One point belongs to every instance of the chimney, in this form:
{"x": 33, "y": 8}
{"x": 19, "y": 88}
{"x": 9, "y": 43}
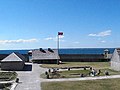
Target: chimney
{"x": 50, "y": 50}
{"x": 42, "y": 50}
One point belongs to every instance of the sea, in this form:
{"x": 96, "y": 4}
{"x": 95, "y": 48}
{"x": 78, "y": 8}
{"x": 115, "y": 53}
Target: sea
{"x": 66, "y": 51}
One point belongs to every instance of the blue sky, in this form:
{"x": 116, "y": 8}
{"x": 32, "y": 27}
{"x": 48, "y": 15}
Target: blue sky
{"x": 30, "y": 24}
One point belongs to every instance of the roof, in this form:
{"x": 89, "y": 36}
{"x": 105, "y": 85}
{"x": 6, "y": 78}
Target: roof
{"x": 14, "y": 57}
{"x": 45, "y": 54}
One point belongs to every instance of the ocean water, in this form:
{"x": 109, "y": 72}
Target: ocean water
{"x": 85, "y": 51}
{"x": 11, "y": 51}
{"x": 67, "y": 51}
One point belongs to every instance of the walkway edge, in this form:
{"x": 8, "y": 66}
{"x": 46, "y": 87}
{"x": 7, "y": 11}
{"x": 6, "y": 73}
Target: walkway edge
{"x": 81, "y": 79}
{"x": 13, "y": 86}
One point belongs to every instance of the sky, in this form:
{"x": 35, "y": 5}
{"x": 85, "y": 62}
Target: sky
{"x": 31, "y": 24}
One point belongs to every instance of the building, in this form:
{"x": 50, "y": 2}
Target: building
{"x": 83, "y": 58}
{"x": 14, "y": 61}
{"x": 5, "y": 53}
{"x": 71, "y": 55}
{"x": 85, "y": 55}
{"x": 115, "y": 60}
{"x": 45, "y": 56}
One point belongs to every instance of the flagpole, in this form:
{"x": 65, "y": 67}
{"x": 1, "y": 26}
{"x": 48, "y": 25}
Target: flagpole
{"x": 58, "y": 49}
{"x": 59, "y": 34}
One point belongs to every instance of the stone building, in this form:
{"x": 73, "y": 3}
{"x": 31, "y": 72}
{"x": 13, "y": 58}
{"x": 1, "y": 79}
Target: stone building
{"x": 14, "y": 61}
{"x": 71, "y": 55}
{"x": 115, "y": 60}
{"x": 85, "y": 55}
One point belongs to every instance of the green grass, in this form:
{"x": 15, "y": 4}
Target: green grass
{"x": 108, "y": 84}
{"x": 5, "y": 86}
{"x": 68, "y": 74}
{"x": 103, "y": 66}
{"x": 7, "y": 76}
{"x": 74, "y": 73}
{"x": 99, "y": 65}
{"x": 112, "y": 72}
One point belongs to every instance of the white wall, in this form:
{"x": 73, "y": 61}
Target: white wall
{"x": 115, "y": 61}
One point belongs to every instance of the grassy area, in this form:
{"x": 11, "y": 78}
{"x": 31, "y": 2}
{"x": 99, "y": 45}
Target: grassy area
{"x": 77, "y": 73}
{"x": 103, "y": 66}
{"x": 109, "y": 84}
{"x": 7, "y": 76}
{"x": 74, "y": 73}
{"x": 5, "y": 86}
{"x": 99, "y": 65}
{"x": 69, "y": 74}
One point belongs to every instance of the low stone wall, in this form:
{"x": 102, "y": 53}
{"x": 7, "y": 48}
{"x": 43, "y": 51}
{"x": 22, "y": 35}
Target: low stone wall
{"x": 83, "y": 58}
{"x": 76, "y": 58}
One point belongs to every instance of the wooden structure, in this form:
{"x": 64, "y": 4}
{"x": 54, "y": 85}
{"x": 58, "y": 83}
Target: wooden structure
{"x": 45, "y": 56}
{"x": 14, "y": 61}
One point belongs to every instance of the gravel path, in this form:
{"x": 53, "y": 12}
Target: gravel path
{"x": 30, "y": 80}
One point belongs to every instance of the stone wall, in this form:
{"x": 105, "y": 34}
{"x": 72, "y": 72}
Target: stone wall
{"x": 12, "y": 65}
{"x": 82, "y": 58}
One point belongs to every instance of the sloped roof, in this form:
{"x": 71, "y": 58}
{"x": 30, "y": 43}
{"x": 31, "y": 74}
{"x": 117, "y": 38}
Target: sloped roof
{"x": 118, "y": 50}
{"x": 14, "y": 57}
{"x": 45, "y": 54}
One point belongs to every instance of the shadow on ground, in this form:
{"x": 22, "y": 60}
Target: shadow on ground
{"x": 27, "y": 67}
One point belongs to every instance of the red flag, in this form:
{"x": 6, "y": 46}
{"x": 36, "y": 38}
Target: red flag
{"x": 60, "y": 33}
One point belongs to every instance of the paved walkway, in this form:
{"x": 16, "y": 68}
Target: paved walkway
{"x": 30, "y": 80}
{"x": 81, "y": 78}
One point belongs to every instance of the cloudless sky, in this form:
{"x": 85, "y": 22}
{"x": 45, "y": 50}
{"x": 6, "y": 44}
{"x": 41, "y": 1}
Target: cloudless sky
{"x": 27, "y": 24}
